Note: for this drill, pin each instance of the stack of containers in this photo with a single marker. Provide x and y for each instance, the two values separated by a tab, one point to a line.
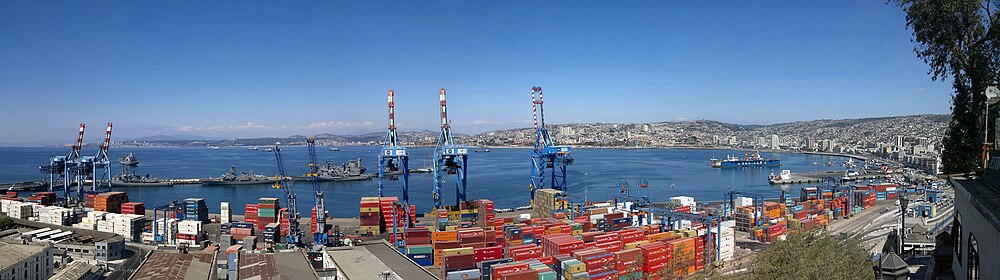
196	210
107	225
313	223
129	225
655	257
625	264
90	199
20	210
267	212
55	215
134	208
727	245
43	198
573	269
110	202
418	245
284	222
547	202
699	253
559	244
513	270
241	230
168	229
600	264
489	253
681	261
459	259
227	213
524	252
271	234
251	214
370	216
189	232
441	223
442	240
387	205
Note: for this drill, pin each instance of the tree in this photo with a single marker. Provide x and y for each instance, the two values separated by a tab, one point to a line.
958	40
812	255
6	223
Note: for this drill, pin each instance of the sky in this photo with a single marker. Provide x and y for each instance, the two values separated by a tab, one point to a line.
258	68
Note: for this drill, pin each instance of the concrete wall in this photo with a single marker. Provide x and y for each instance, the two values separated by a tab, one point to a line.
987	236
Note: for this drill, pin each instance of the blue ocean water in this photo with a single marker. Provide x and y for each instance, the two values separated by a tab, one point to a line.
501	175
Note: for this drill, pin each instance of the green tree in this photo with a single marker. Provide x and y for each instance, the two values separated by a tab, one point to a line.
957	40
6	223
812	256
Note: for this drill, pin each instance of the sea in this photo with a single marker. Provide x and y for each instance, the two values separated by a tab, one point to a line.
501	175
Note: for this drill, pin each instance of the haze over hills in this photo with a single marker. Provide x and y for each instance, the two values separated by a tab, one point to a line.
672	133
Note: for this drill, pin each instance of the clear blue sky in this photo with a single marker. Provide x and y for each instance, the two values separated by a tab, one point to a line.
246	69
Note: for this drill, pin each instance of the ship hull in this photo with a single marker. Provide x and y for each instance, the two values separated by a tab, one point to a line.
750	163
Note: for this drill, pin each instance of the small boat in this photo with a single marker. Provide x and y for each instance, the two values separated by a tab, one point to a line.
482	151
268	150
129	160
334	149
254	148
213	147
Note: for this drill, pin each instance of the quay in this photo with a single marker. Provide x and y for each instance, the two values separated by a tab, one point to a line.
818	177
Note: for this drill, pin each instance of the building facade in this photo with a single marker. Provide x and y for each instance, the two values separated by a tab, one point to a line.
26	261
976	228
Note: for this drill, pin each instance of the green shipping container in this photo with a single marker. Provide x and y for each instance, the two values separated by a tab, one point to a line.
547	275
416	250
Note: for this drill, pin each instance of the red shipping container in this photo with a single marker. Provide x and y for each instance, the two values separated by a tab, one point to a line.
510	268
520	275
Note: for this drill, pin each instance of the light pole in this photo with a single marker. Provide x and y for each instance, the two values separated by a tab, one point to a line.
992	96
903	202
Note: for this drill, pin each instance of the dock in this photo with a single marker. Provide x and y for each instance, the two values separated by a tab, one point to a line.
817	177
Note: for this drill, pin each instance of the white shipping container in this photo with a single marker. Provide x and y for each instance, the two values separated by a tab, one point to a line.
683	201
96	215
743	201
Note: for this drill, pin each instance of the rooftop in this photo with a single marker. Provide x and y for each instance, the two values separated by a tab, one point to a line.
14	253
162	263
983	194
281	265
368	261
75	270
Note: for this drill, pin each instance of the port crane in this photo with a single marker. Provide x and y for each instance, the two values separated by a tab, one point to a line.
393	159
101	161
546	155
292	237
319	232
64	168
449	158
641	197
159	234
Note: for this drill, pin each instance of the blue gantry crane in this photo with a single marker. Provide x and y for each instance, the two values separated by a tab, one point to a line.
729	204
292	237
159	234
64	168
319	233
639	199
393	159
450	158
546	155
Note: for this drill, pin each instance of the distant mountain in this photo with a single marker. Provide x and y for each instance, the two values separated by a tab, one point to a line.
163	137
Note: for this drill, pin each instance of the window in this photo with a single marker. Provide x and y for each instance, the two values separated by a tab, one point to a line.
973	258
956	232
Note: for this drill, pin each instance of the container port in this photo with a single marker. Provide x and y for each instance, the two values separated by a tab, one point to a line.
557	235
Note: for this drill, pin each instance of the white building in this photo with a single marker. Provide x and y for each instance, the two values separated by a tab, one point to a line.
775	142
20	261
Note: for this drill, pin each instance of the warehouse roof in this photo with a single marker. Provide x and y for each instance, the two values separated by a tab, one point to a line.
14	253
281	265
195	265
368	261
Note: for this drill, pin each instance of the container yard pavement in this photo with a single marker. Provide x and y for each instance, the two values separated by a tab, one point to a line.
370	260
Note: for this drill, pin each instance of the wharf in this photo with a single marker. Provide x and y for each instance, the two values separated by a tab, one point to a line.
857	157
818	177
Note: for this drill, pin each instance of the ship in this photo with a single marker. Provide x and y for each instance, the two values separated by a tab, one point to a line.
254	148
334	149
748	160
129	160
850	163
238	178
351	170
127	179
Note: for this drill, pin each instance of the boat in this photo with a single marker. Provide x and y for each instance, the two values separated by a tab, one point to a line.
268	150
850	163
352	170
748	160
129	160
128	179
213	147
254	148
238	178
482	151
334	149
829	163
422	170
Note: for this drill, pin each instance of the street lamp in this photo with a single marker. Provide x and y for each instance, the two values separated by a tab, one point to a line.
903	203
992	97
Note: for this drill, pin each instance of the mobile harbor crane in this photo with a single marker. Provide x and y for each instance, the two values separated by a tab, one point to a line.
293	234
319	232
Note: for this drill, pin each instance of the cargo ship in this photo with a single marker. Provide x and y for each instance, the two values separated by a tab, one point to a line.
748	160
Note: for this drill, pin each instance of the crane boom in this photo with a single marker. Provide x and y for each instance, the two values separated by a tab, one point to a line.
292	237
319	232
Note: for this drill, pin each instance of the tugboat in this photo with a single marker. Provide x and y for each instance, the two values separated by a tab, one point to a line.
748	160
129	160
238	178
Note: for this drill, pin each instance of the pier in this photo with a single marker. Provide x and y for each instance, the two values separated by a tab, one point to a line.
817	177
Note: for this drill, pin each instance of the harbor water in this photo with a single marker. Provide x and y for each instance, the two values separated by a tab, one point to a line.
501	175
